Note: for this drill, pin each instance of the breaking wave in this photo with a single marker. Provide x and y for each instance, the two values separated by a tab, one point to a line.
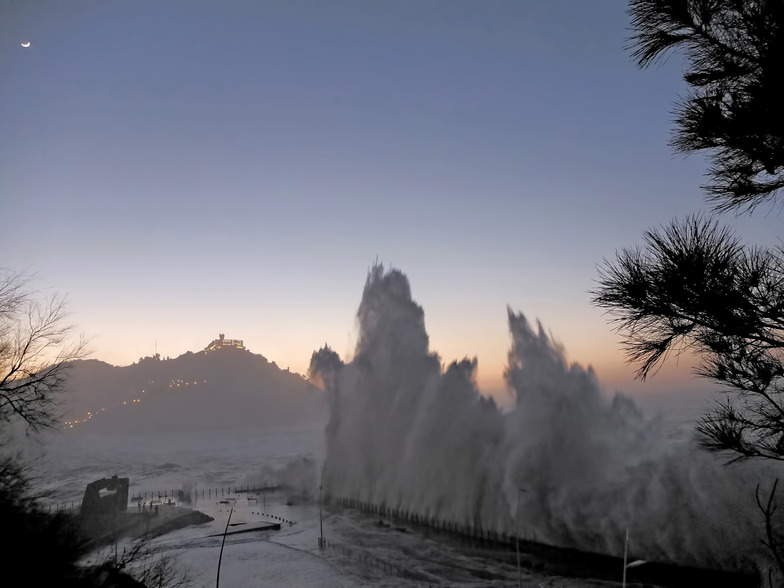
408	434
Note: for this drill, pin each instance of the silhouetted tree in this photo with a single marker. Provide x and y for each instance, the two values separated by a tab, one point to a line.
693	284
40	547
140	565
734	51
35	351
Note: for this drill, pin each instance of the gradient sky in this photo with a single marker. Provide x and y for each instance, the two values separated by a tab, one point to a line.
185	168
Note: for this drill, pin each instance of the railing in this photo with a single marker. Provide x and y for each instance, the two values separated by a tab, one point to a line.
472	532
200	493
177	495
410	576
375	562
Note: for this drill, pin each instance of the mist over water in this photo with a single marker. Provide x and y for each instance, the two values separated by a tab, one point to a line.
406	433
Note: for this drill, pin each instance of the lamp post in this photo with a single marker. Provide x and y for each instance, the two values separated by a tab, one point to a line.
517	538
634	564
220	556
321	517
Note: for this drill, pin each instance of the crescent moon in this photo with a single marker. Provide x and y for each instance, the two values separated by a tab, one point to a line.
26	44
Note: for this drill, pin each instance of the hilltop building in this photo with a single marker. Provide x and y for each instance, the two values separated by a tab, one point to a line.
222	343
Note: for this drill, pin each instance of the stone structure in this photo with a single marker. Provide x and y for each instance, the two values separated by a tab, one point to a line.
106	496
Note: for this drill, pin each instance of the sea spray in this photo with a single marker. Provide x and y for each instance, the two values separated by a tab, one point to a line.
406	434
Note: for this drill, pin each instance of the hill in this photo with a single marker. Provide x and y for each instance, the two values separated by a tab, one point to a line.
210	390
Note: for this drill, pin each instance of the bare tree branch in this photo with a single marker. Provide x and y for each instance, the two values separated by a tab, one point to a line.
36	349
146	565
773	538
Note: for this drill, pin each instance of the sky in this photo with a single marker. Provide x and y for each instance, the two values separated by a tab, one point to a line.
186	168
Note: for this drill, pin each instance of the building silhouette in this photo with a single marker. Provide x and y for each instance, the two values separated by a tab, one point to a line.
222	343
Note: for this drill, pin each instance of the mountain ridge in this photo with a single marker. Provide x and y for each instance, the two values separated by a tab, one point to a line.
203	390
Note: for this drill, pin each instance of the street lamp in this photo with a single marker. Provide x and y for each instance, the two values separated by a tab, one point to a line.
633	564
517	537
220	556
321	517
